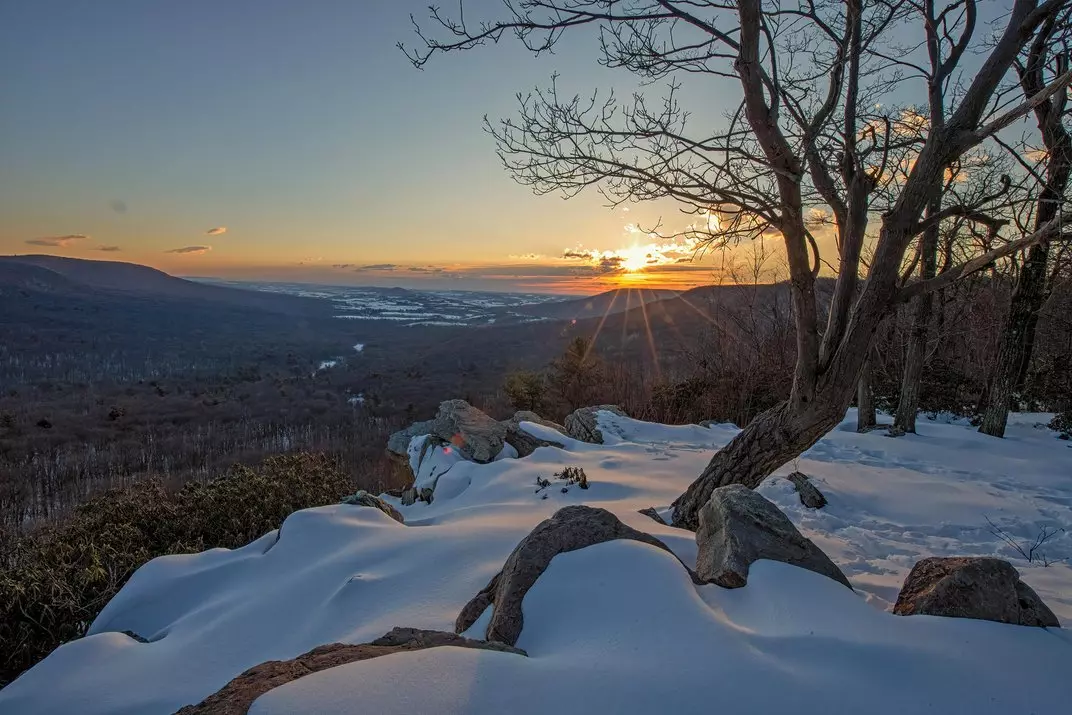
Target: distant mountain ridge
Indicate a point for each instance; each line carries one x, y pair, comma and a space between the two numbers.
71, 275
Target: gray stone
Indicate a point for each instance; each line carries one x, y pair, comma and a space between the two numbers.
972, 587
571, 528
810, 496
363, 498
476, 437
738, 527
582, 424
237, 696
398, 443
523, 442
652, 514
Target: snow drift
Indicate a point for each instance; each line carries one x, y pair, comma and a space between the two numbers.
619, 625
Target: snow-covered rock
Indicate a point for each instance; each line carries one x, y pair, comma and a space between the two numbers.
983, 588
583, 424
571, 528
619, 624
525, 442
363, 498
236, 697
739, 527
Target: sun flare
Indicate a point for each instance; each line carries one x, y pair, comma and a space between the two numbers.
635, 258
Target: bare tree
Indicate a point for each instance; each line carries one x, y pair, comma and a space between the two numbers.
1047, 57
807, 134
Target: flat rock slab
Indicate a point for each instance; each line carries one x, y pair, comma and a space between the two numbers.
810, 496
571, 528
739, 527
972, 587
237, 696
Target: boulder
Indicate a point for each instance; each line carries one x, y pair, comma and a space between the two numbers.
237, 696
810, 496
523, 442
738, 527
583, 424
363, 498
422, 452
972, 587
571, 528
476, 436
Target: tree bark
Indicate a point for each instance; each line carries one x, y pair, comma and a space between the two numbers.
1029, 291
1014, 350
911, 379
865, 400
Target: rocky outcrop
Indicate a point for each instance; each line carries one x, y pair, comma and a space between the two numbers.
810, 496
476, 437
423, 451
738, 527
363, 498
237, 696
523, 442
972, 587
571, 528
583, 424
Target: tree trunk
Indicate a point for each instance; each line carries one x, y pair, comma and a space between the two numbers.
865, 401
911, 379
1029, 292
769, 441
1027, 297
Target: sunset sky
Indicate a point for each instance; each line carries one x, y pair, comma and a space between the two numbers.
280, 140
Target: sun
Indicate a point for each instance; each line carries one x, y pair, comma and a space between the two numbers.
634, 259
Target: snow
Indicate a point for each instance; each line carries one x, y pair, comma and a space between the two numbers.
618, 624
359, 347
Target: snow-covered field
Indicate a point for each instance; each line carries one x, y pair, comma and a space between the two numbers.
618, 627
411, 307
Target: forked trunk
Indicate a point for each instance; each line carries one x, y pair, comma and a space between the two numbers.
773, 438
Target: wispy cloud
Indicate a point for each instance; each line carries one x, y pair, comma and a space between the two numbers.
526, 257
191, 249
57, 241
425, 269
342, 265
378, 267
108, 249
218, 231
118, 205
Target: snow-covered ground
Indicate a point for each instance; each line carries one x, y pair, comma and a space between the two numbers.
618, 627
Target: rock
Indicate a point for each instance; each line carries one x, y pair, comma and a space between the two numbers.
134, 636
409, 496
476, 436
652, 514
972, 587
571, 528
422, 452
522, 441
810, 496
237, 696
398, 443
738, 527
363, 498
583, 424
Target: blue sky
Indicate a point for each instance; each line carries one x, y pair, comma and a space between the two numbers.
298, 126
